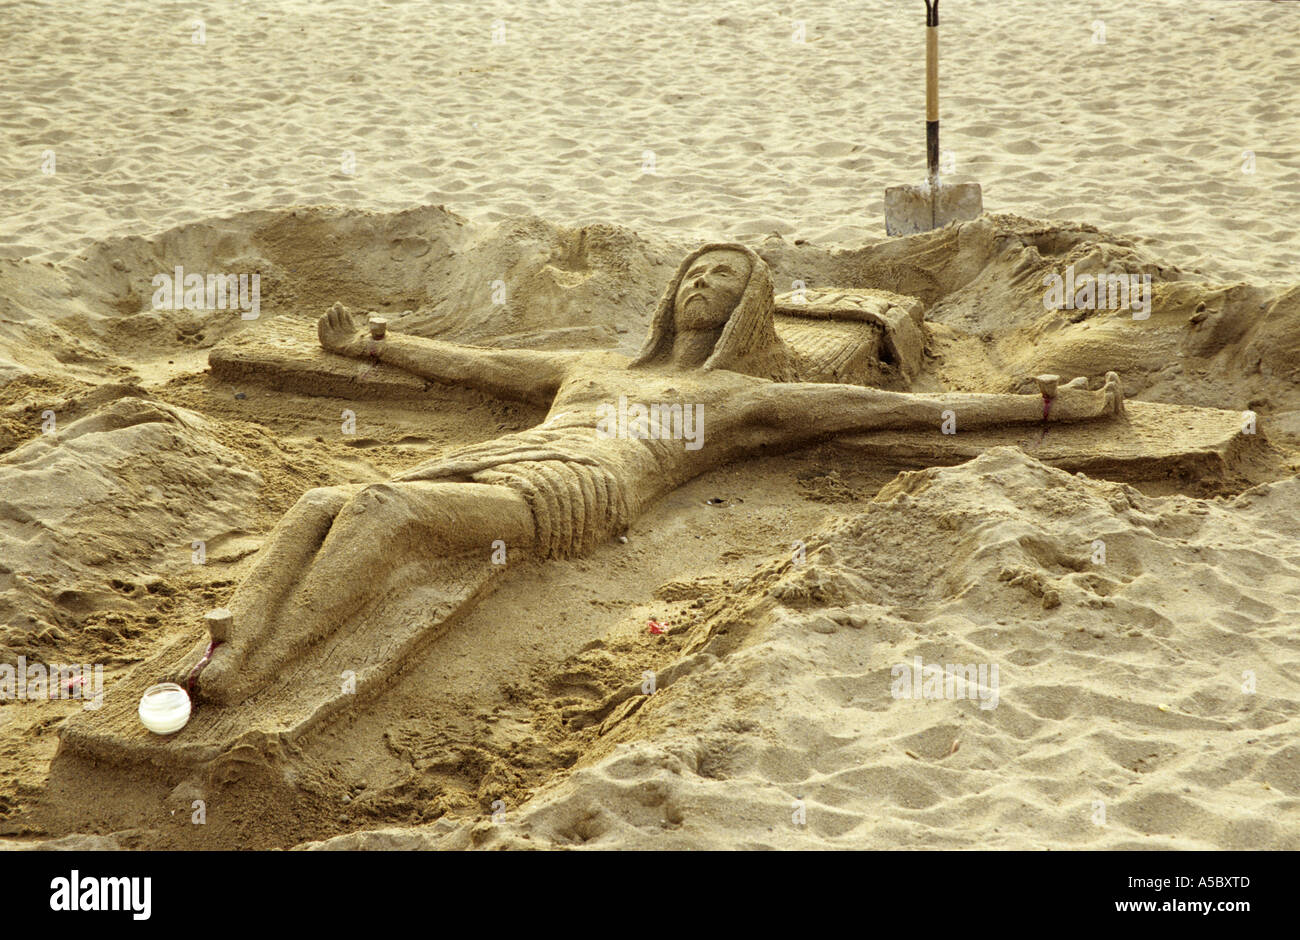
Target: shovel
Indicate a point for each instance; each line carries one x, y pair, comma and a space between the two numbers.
913, 209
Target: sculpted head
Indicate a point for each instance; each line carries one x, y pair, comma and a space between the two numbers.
718, 313
709, 290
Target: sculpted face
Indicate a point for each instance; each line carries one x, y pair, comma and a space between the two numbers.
710, 290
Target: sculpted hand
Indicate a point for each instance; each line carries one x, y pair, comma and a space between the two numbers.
339, 333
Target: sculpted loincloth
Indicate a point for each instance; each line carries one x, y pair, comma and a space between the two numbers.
582, 489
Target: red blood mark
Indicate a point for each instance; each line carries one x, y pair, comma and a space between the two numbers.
71, 685
194, 673
1047, 407
373, 353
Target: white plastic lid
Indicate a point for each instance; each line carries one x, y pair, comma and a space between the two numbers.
165, 708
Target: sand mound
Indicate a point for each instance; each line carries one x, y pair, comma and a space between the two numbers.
100, 513
522, 282
1143, 699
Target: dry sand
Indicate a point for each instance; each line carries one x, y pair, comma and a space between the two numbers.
1162, 684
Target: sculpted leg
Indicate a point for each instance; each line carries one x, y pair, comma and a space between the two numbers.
340, 550
288, 551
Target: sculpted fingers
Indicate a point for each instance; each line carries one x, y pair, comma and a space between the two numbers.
340, 316
335, 328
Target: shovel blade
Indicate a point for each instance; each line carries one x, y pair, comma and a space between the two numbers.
913, 209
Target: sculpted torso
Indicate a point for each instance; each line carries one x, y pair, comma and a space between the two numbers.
689, 423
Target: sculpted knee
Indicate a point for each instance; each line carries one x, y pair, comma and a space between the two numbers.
323, 497
316, 507
374, 502
376, 494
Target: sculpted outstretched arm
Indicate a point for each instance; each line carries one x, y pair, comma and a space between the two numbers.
809, 410
521, 374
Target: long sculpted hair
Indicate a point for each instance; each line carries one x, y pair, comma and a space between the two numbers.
748, 343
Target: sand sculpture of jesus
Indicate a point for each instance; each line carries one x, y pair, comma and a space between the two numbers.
564, 486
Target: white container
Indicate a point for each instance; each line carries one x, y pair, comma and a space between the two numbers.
165, 708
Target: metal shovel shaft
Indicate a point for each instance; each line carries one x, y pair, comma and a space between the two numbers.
932, 90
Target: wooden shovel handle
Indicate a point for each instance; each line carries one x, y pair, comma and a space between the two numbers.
932, 73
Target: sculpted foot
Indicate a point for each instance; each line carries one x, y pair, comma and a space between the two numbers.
220, 680
1114, 390
339, 332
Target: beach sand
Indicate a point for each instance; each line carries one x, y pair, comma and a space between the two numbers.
747, 130
1146, 697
